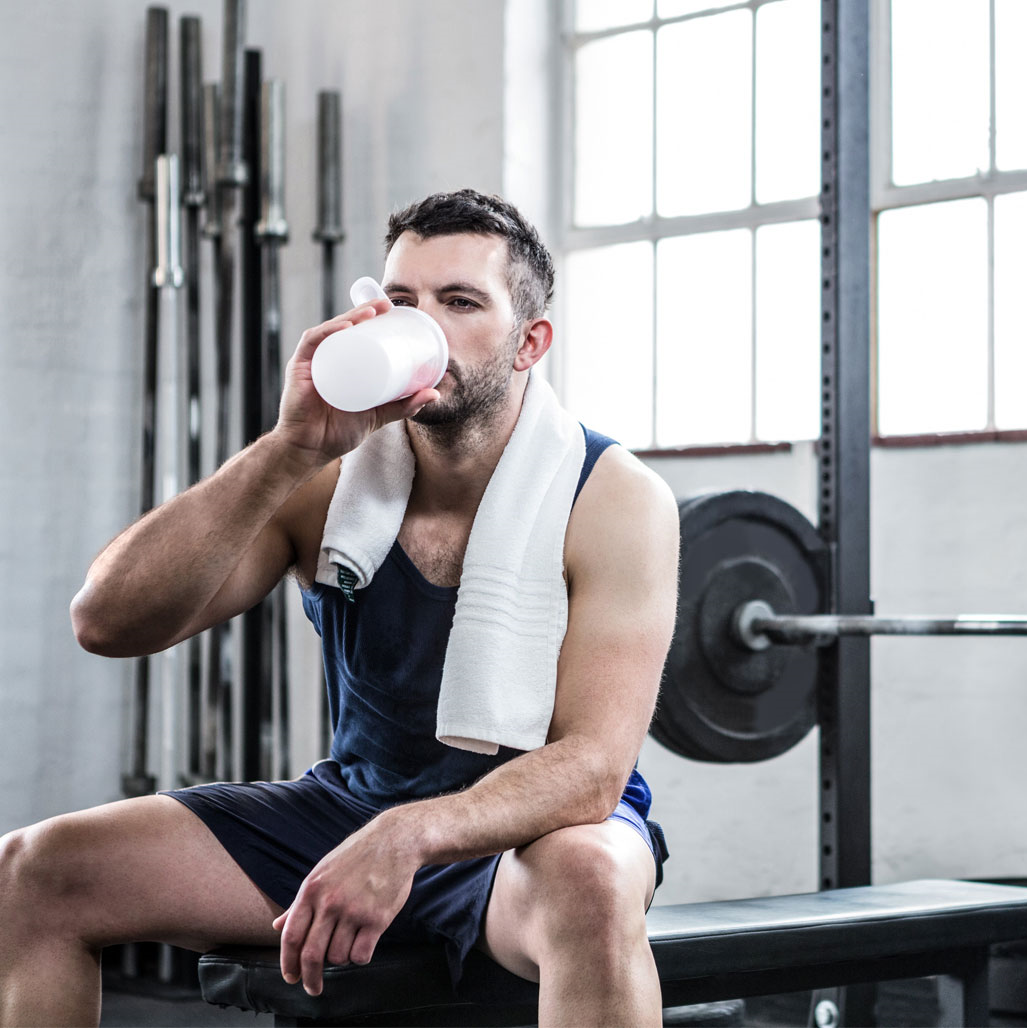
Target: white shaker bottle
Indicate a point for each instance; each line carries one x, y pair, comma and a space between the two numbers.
388, 357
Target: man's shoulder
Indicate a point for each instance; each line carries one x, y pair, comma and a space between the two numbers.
625, 508
620, 479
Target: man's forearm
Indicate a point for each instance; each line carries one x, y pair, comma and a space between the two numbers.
147, 583
564, 783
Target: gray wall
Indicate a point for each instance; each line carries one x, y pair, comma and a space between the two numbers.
436, 95
948, 716
72, 267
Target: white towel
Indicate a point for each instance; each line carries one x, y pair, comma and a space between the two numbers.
499, 677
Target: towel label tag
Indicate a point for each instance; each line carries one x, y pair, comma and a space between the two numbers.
347, 580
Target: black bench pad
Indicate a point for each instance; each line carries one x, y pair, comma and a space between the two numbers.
703, 951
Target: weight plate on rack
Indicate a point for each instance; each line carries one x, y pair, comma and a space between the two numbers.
722, 701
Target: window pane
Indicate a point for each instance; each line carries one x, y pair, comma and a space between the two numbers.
788, 331
704, 338
613, 130
940, 90
593, 15
1010, 84
609, 382
704, 114
1011, 311
672, 8
787, 100
933, 318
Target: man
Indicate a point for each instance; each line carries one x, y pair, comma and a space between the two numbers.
542, 858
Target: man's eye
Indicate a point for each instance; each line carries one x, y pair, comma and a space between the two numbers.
399, 301
463, 303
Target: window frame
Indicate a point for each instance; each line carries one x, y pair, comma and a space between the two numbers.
886, 196
654, 227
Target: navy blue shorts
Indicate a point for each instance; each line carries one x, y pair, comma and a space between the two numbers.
277, 831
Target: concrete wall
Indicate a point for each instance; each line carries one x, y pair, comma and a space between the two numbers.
436, 95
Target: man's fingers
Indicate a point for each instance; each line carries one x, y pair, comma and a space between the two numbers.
405, 408
363, 945
313, 337
312, 956
341, 944
293, 925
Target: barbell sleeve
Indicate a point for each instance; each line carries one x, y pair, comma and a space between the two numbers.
272, 224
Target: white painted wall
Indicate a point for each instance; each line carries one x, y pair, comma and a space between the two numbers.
949, 716
427, 107
422, 109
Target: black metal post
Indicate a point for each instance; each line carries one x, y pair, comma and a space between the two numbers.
845, 436
137, 780
844, 456
191, 85
256, 659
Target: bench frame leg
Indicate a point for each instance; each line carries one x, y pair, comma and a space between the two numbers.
963, 993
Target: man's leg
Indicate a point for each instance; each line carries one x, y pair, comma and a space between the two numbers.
568, 911
138, 870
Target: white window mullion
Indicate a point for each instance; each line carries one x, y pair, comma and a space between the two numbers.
991, 313
752, 238
992, 110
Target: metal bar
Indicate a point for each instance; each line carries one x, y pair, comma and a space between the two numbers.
216, 711
192, 201
272, 232
825, 629
168, 271
169, 277
232, 174
329, 231
844, 694
232, 168
137, 780
255, 694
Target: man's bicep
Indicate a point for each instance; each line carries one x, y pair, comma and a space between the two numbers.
289, 540
259, 569
622, 573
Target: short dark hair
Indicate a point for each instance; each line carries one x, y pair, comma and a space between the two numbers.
530, 273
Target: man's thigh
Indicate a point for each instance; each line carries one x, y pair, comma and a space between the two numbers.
143, 869
574, 874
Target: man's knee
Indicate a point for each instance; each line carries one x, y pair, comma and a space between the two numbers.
37, 872
586, 887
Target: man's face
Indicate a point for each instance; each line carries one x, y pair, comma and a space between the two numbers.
461, 281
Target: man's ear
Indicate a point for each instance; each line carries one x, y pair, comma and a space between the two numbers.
536, 338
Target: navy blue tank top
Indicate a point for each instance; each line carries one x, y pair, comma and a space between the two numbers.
383, 657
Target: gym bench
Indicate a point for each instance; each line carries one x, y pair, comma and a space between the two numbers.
704, 952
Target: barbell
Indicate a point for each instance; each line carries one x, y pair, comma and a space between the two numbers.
741, 676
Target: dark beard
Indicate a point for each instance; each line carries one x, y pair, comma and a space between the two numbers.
476, 397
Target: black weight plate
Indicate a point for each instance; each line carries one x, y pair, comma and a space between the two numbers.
721, 701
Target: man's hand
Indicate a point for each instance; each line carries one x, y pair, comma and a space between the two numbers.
313, 426
345, 904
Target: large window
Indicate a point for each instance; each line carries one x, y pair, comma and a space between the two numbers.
691, 280
950, 116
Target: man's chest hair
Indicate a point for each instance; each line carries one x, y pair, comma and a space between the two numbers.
436, 548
